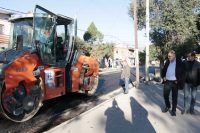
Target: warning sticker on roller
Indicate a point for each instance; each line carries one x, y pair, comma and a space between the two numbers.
49, 78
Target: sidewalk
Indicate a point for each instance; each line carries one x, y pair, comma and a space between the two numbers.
103, 71
139, 111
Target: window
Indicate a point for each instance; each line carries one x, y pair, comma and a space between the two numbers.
1, 29
60, 31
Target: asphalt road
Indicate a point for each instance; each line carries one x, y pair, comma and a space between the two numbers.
60, 109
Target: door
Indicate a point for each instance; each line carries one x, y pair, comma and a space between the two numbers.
44, 36
44, 23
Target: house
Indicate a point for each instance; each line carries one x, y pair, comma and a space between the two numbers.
4, 28
121, 53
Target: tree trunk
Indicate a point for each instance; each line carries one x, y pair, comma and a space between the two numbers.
162, 59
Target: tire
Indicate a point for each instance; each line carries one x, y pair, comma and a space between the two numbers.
26, 115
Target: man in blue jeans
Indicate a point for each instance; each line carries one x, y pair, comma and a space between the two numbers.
192, 82
125, 75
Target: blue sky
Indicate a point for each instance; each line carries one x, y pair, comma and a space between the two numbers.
110, 16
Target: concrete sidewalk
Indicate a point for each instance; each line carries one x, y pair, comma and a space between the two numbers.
104, 71
139, 111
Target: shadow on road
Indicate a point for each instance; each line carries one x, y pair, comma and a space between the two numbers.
116, 122
141, 124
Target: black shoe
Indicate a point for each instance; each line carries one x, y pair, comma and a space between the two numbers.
173, 113
165, 110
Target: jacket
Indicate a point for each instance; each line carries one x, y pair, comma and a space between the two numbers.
125, 72
179, 72
194, 73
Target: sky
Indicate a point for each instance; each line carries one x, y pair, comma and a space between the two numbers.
110, 16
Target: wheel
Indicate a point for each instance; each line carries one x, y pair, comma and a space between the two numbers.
93, 87
19, 105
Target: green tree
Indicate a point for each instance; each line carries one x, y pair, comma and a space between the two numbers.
153, 53
172, 22
87, 36
198, 36
83, 46
182, 50
92, 34
98, 51
103, 50
198, 27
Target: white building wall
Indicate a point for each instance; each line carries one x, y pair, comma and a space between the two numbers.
6, 24
5, 30
124, 53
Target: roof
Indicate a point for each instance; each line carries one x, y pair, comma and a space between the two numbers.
6, 12
61, 19
23, 16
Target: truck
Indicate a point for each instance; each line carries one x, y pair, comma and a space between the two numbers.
42, 63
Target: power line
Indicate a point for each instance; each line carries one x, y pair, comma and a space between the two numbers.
81, 30
12, 10
112, 36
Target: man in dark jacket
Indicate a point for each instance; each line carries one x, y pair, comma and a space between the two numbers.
173, 80
192, 82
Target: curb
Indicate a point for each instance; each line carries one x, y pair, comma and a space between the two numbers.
104, 72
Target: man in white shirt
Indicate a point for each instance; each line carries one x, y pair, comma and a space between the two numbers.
173, 77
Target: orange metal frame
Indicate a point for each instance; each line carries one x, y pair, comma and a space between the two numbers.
54, 79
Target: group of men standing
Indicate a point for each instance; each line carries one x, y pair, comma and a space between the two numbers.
178, 74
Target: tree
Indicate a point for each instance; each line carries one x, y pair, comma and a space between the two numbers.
83, 46
103, 50
92, 34
198, 27
100, 51
87, 36
183, 50
153, 54
173, 22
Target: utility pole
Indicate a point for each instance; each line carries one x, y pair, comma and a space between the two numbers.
147, 42
136, 44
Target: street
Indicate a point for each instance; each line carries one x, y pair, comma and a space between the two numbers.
57, 111
50, 114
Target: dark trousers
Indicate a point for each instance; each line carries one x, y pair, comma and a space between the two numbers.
168, 87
